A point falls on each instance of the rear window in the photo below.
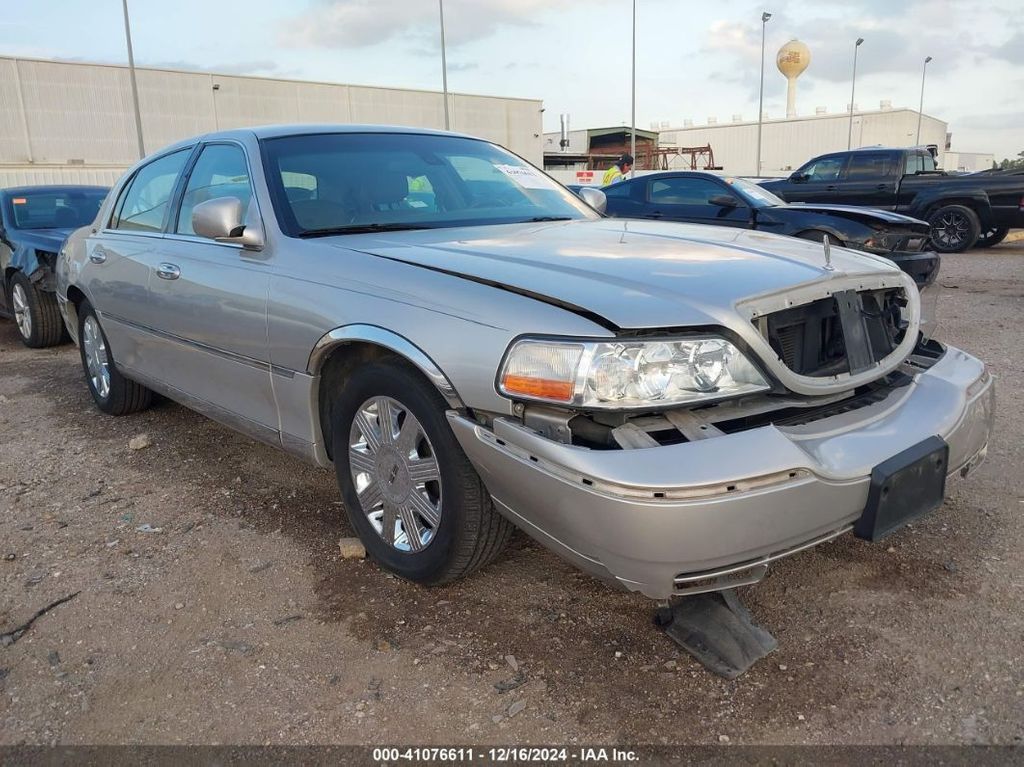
(54, 209)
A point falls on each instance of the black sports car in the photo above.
(704, 198)
(34, 222)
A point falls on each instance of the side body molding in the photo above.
(389, 340)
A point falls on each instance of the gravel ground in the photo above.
(212, 606)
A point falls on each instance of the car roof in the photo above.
(15, 190)
(306, 129)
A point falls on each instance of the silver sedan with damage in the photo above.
(472, 348)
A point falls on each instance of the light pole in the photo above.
(920, 109)
(632, 124)
(853, 89)
(760, 98)
(131, 76)
(444, 69)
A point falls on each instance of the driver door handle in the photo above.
(98, 255)
(168, 271)
(830, 188)
(655, 214)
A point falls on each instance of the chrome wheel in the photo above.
(22, 314)
(395, 472)
(951, 229)
(94, 349)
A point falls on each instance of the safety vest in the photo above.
(612, 175)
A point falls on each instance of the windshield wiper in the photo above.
(550, 218)
(361, 229)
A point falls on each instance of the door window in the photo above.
(143, 203)
(824, 169)
(683, 191)
(868, 166)
(220, 171)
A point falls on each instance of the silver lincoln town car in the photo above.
(473, 348)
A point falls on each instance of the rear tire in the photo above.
(954, 228)
(992, 237)
(113, 393)
(36, 313)
(410, 474)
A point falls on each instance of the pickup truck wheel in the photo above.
(409, 491)
(36, 313)
(113, 393)
(993, 236)
(955, 228)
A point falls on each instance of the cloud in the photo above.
(999, 121)
(260, 66)
(364, 23)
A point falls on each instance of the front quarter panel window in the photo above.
(142, 206)
(360, 181)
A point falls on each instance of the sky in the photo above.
(694, 59)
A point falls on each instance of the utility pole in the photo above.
(444, 70)
(131, 75)
(853, 89)
(920, 109)
(632, 130)
(760, 99)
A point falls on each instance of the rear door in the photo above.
(870, 179)
(207, 305)
(122, 254)
(688, 199)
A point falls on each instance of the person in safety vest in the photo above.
(619, 170)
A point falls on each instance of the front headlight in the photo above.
(627, 375)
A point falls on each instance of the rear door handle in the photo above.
(830, 188)
(168, 272)
(655, 214)
(881, 186)
(98, 255)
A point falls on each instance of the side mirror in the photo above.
(797, 177)
(595, 198)
(220, 219)
(723, 200)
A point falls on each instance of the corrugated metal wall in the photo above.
(788, 144)
(55, 112)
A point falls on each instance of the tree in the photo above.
(1008, 164)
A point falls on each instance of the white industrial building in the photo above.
(64, 122)
(787, 143)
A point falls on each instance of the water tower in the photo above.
(792, 59)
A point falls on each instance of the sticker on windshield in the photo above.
(525, 176)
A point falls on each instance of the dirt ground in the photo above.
(213, 607)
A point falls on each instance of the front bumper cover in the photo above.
(665, 520)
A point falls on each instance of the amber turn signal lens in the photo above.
(538, 387)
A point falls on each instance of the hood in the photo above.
(632, 274)
(852, 211)
(43, 239)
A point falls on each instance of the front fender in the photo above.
(388, 339)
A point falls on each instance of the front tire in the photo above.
(113, 393)
(36, 313)
(993, 236)
(409, 491)
(954, 228)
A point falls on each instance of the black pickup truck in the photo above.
(963, 210)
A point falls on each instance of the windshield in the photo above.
(342, 183)
(54, 208)
(755, 195)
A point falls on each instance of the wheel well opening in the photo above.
(337, 369)
(75, 296)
